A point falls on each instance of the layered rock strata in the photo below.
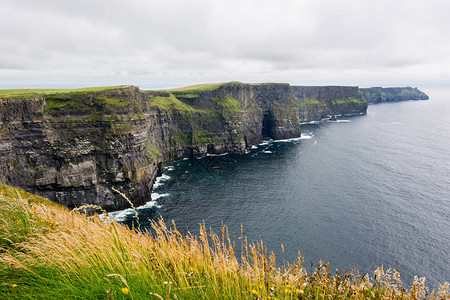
(75, 147)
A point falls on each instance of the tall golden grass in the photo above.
(48, 251)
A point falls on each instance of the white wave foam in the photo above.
(149, 204)
(121, 215)
(267, 151)
(254, 147)
(288, 140)
(157, 184)
(266, 142)
(222, 154)
(169, 168)
(164, 177)
(160, 180)
(311, 122)
(306, 136)
(340, 121)
(156, 196)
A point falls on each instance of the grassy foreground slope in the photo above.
(49, 252)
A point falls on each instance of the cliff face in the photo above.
(75, 147)
(379, 95)
(317, 103)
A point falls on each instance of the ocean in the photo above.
(360, 192)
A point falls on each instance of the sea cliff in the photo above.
(74, 147)
(375, 95)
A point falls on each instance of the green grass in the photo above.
(348, 100)
(311, 102)
(117, 102)
(189, 95)
(197, 87)
(229, 104)
(49, 252)
(171, 103)
(31, 93)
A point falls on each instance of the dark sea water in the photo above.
(359, 193)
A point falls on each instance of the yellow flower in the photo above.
(13, 285)
(125, 291)
(254, 292)
(288, 291)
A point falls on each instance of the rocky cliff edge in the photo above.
(74, 147)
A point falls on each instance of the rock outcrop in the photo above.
(75, 147)
(375, 95)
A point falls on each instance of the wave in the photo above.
(288, 140)
(121, 215)
(304, 136)
(159, 180)
(266, 142)
(169, 168)
(311, 122)
(267, 151)
(156, 196)
(221, 154)
(149, 204)
(340, 121)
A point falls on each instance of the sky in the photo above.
(158, 44)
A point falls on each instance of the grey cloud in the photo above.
(175, 41)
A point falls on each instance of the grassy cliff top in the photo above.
(197, 87)
(213, 86)
(49, 252)
(31, 93)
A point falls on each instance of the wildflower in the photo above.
(304, 284)
(288, 291)
(254, 292)
(13, 285)
(299, 291)
(125, 291)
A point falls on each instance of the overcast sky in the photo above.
(178, 42)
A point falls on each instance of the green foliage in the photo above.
(117, 102)
(152, 153)
(181, 139)
(311, 102)
(348, 100)
(181, 94)
(229, 104)
(171, 103)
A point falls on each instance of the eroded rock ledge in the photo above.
(73, 148)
